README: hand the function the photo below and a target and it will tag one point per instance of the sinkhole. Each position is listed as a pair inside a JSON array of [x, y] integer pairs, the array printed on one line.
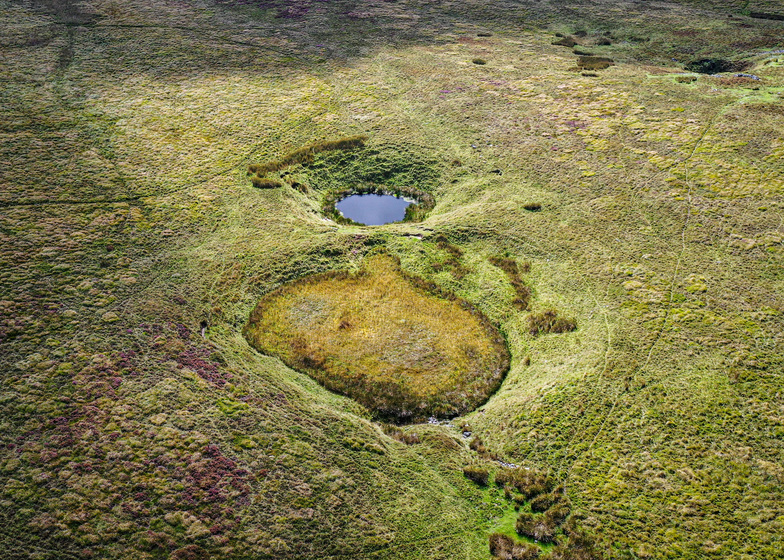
[[373, 209]]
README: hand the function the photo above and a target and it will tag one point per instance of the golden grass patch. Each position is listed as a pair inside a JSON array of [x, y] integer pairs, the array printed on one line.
[[389, 340]]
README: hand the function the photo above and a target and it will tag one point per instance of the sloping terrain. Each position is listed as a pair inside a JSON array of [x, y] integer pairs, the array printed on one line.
[[137, 422]]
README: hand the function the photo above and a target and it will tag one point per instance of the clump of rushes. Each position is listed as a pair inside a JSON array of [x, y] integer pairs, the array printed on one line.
[[476, 474], [302, 155], [594, 62], [453, 261], [536, 527], [263, 183], [397, 434], [549, 322], [565, 41], [414, 212], [528, 482], [479, 61], [503, 547], [512, 270], [532, 207], [394, 342]]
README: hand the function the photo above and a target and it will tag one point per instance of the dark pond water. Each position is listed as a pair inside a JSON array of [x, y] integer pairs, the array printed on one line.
[[373, 209]]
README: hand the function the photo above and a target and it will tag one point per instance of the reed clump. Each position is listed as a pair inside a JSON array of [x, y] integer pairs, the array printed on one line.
[[594, 62], [512, 270], [503, 547], [548, 321]]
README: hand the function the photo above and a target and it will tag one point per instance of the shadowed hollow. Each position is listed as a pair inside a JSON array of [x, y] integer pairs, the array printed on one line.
[[385, 339]]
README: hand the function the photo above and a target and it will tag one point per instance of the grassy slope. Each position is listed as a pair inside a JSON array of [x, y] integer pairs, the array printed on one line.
[[127, 221]]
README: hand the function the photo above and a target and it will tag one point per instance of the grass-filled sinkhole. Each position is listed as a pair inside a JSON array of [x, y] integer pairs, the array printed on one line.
[[393, 342]]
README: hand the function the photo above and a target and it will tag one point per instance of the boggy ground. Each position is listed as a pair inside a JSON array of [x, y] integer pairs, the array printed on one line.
[[137, 422], [382, 339]]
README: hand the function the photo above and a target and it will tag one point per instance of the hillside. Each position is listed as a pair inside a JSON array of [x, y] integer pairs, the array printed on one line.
[[577, 159]]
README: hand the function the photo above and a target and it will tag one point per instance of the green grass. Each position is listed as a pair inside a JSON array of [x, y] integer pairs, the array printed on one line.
[[137, 421]]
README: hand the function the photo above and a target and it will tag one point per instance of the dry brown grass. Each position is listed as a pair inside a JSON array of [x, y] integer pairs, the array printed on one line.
[[594, 62], [549, 322], [512, 270], [390, 341]]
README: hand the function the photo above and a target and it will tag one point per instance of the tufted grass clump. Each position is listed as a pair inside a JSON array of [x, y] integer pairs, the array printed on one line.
[[528, 482], [512, 270], [594, 62], [263, 183], [476, 474], [393, 342], [504, 547], [548, 321]]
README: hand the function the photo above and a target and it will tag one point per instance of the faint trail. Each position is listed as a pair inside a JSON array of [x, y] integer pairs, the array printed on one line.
[[684, 228]]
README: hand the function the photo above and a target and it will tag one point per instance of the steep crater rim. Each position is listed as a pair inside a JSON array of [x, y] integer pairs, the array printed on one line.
[[393, 342]]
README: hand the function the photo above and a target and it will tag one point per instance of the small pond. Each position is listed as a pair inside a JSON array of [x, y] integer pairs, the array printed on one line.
[[373, 209]]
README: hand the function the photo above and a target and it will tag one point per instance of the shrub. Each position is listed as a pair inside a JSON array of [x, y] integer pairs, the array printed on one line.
[[714, 66], [549, 322], [579, 546], [476, 474], [544, 502], [557, 514], [505, 548]]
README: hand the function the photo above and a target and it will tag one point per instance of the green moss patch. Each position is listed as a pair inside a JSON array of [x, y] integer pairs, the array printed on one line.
[[389, 340]]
